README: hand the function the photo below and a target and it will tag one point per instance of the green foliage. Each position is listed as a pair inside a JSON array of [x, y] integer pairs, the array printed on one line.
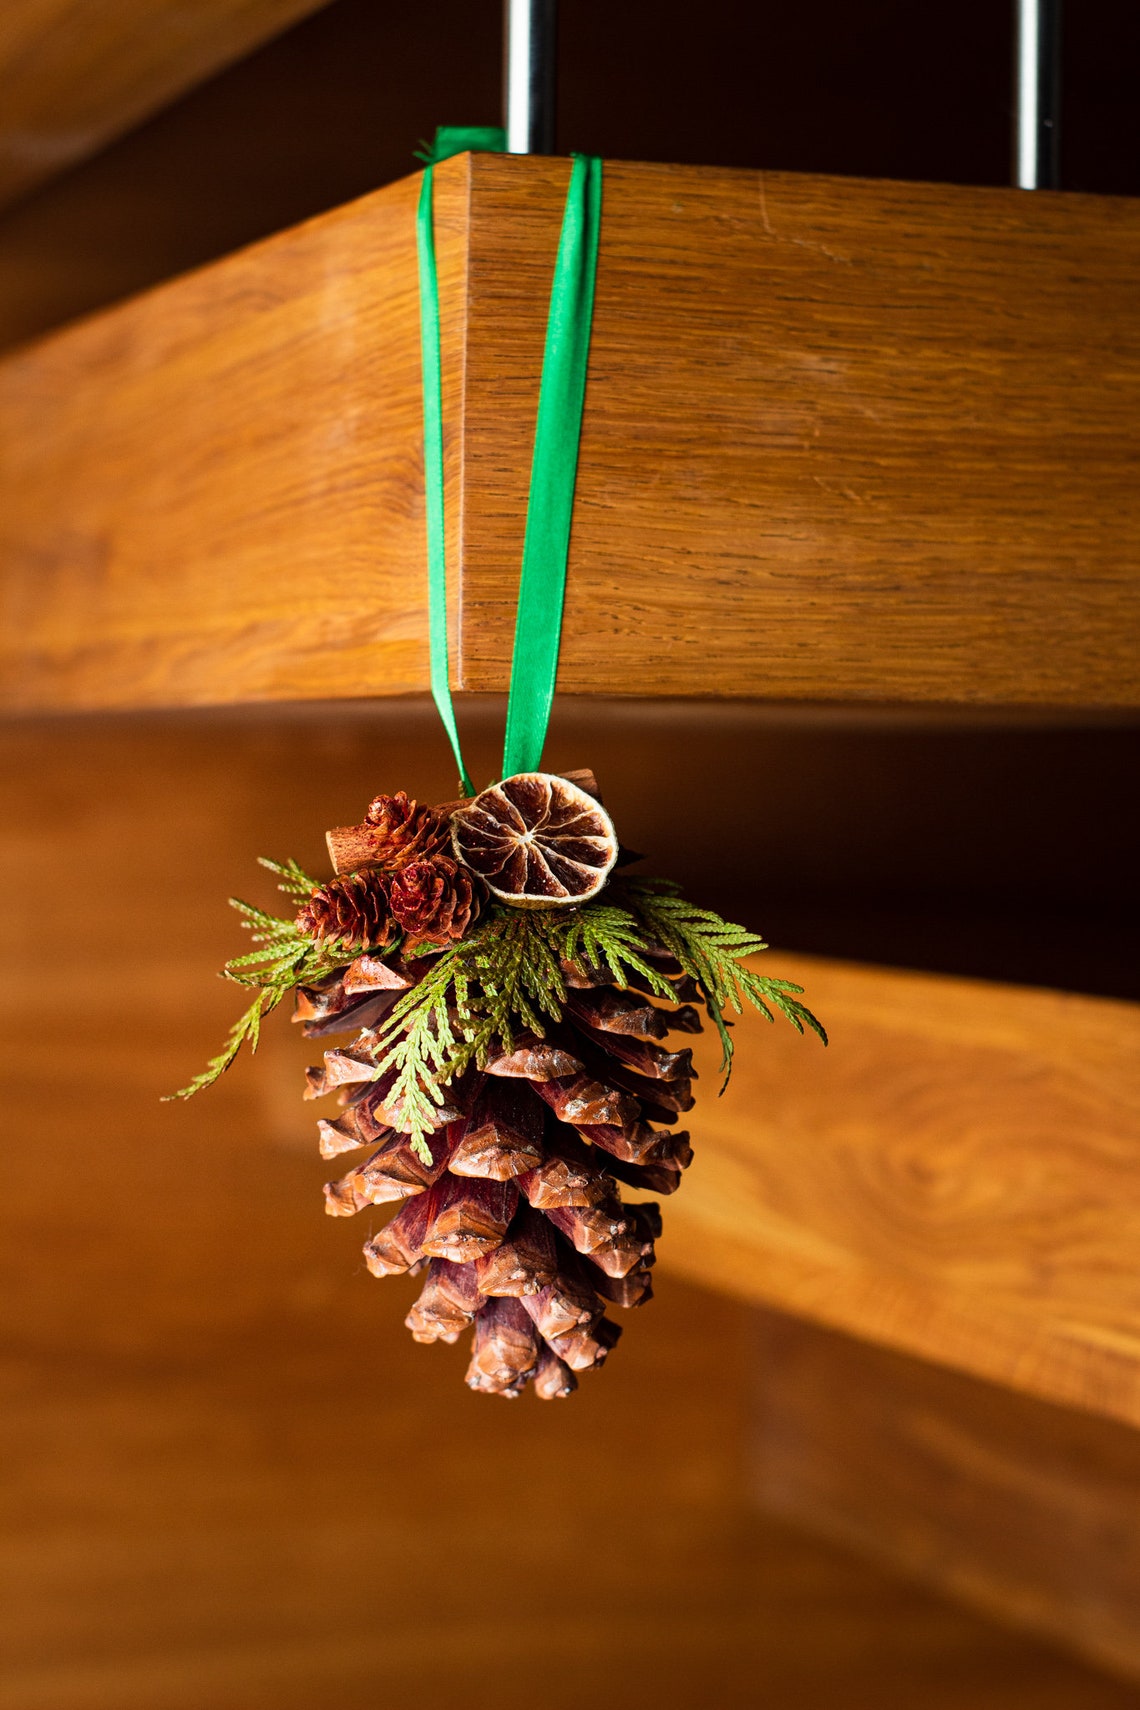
[[507, 975], [711, 951], [503, 976], [284, 958], [471, 1000]]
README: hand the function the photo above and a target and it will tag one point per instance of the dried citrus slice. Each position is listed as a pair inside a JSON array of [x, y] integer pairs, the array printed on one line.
[[537, 840]]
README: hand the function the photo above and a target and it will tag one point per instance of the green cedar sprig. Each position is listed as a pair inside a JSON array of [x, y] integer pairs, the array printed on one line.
[[284, 959], [469, 1001], [711, 951], [507, 975], [502, 977]]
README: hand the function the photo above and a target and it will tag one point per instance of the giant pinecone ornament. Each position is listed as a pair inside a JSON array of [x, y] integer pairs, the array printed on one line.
[[505, 999]]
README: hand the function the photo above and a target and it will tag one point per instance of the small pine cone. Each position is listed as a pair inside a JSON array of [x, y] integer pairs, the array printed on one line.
[[434, 901], [518, 1217], [394, 831], [352, 911], [402, 831]]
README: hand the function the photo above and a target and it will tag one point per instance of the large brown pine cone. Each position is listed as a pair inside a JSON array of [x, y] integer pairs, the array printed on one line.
[[352, 911], [518, 1220], [434, 901]]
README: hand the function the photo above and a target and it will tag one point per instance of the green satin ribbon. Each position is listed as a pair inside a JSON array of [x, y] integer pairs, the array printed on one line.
[[550, 506], [449, 140]]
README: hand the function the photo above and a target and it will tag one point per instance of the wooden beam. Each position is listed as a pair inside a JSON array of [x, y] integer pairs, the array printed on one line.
[[957, 1176], [74, 76], [214, 493], [1022, 1509], [843, 441]]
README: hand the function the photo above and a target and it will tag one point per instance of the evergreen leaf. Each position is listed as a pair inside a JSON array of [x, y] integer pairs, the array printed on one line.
[[508, 975]]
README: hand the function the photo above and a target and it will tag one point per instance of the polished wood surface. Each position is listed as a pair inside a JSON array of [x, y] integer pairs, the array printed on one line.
[[956, 1176], [843, 441], [233, 1480], [74, 75], [215, 493], [1024, 1510]]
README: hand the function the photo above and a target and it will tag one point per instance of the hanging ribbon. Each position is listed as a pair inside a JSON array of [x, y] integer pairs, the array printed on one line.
[[449, 140], [550, 505]]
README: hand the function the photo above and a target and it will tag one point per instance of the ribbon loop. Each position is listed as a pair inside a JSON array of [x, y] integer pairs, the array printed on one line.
[[558, 425]]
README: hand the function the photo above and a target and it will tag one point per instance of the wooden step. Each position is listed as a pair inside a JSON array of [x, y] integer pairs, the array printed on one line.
[[72, 80], [957, 1176], [1020, 1508], [843, 441]]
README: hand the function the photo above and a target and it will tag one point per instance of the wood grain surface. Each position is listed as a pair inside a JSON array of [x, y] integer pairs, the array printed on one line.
[[1023, 1509], [214, 492], [233, 1480], [73, 75], [957, 1176], [844, 441]]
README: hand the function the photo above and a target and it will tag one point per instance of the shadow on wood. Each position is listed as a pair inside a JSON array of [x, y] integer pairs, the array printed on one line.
[[1027, 1511]]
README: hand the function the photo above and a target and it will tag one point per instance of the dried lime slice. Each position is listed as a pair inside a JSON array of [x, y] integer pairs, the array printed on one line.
[[537, 840]]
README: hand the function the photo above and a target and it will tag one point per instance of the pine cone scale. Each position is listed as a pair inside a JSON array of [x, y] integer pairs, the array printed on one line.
[[525, 1262], [468, 1217]]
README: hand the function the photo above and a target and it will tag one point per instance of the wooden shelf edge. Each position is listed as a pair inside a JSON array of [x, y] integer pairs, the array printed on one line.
[[955, 1178], [787, 490]]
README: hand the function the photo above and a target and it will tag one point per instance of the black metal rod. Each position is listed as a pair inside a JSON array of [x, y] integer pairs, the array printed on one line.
[[529, 56], [1037, 94]]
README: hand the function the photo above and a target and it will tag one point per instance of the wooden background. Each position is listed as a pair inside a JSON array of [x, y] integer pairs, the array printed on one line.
[[230, 1478], [74, 77], [219, 1491], [1022, 1509], [843, 440], [913, 478], [239, 1482]]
